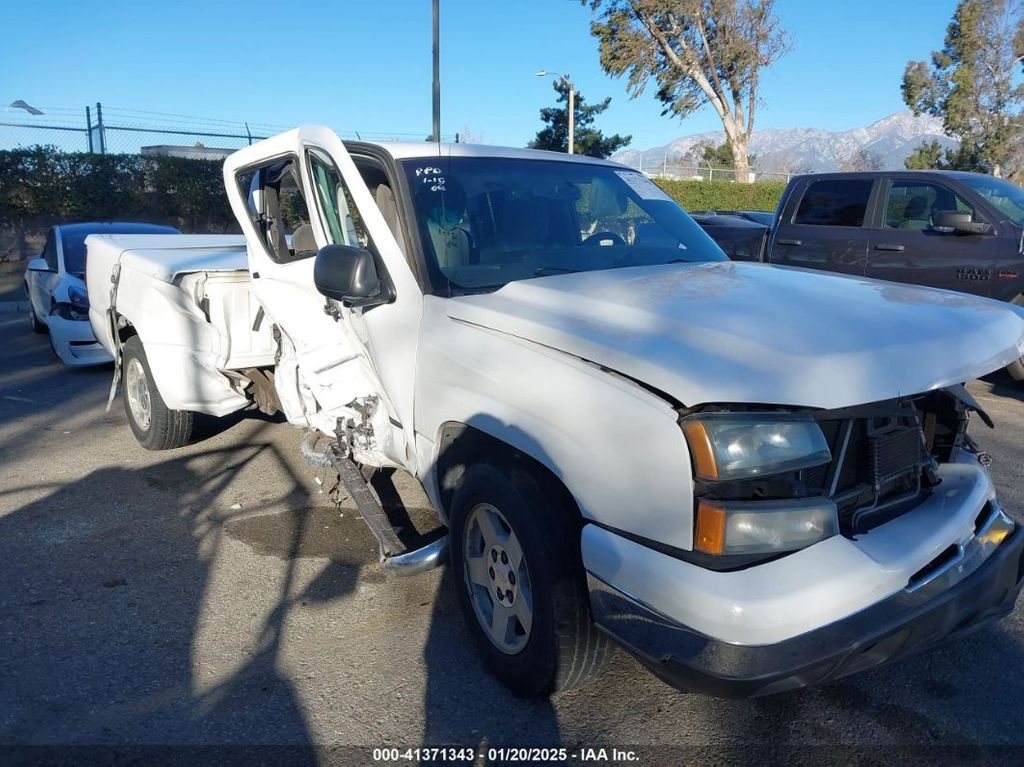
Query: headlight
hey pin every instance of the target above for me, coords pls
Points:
(763, 527)
(71, 312)
(78, 298)
(727, 446)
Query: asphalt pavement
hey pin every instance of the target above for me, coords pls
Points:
(212, 596)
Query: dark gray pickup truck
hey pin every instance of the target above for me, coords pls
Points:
(943, 229)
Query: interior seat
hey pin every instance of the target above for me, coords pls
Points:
(916, 215)
(385, 199)
(303, 241)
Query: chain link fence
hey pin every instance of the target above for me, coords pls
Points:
(112, 130)
(677, 168)
(104, 163)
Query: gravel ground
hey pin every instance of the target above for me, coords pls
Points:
(210, 596)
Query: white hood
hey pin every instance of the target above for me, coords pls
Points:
(729, 332)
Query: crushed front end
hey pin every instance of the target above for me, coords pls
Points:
(825, 542)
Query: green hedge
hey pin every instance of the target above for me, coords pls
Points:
(41, 186)
(723, 195)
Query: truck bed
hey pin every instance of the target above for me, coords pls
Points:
(188, 298)
(166, 256)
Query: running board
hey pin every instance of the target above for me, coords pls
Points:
(395, 556)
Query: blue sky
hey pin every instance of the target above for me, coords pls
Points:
(365, 66)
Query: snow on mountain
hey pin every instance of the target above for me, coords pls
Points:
(792, 150)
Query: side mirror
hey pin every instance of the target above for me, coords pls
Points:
(348, 275)
(959, 222)
(38, 265)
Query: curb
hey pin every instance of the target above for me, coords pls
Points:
(13, 307)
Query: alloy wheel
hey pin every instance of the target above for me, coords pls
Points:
(137, 388)
(497, 579)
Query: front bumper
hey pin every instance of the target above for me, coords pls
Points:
(74, 342)
(944, 603)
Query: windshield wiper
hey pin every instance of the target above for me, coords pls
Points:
(544, 271)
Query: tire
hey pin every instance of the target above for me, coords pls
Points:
(561, 648)
(37, 326)
(155, 425)
(1016, 368)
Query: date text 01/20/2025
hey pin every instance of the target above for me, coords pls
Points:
(502, 754)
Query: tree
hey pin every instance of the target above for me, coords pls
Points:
(969, 84)
(720, 155)
(928, 156)
(697, 52)
(862, 159)
(469, 135)
(587, 140)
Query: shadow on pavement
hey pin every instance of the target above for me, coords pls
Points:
(101, 650)
(463, 704)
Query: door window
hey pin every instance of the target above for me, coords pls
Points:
(341, 217)
(50, 252)
(913, 204)
(278, 210)
(834, 202)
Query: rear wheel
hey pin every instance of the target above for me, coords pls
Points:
(1016, 368)
(155, 425)
(516, 563)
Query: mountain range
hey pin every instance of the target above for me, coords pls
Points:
(792, 150)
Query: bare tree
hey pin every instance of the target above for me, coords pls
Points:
(469, 135)
(698, 52)
(862, 159)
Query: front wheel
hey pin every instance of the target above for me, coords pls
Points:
(155, 425)
(37, 326)
(515, 554)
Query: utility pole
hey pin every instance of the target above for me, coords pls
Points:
(436, 132)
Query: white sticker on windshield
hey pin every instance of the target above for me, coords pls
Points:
(642, 185)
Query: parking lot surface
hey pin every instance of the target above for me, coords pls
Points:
(212, 595)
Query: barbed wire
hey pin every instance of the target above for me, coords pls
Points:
(130, 130)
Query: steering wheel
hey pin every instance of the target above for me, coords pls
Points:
(598, 238)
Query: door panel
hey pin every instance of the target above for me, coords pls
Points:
(348, 354)
(823, 227)
(904, 247)
(1008, 280)
(42, 284)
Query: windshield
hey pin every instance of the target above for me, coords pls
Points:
(487, 221)
(1003, 196)
(73, 240)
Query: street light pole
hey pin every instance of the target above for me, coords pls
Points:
(572, 117)
(437, 73)
(572, 105)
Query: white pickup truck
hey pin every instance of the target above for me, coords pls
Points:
(754, 478)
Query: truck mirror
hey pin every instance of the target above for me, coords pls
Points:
(959, 222)
(349, 275)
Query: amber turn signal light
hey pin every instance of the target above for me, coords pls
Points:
(710, 536)
(697, 438)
